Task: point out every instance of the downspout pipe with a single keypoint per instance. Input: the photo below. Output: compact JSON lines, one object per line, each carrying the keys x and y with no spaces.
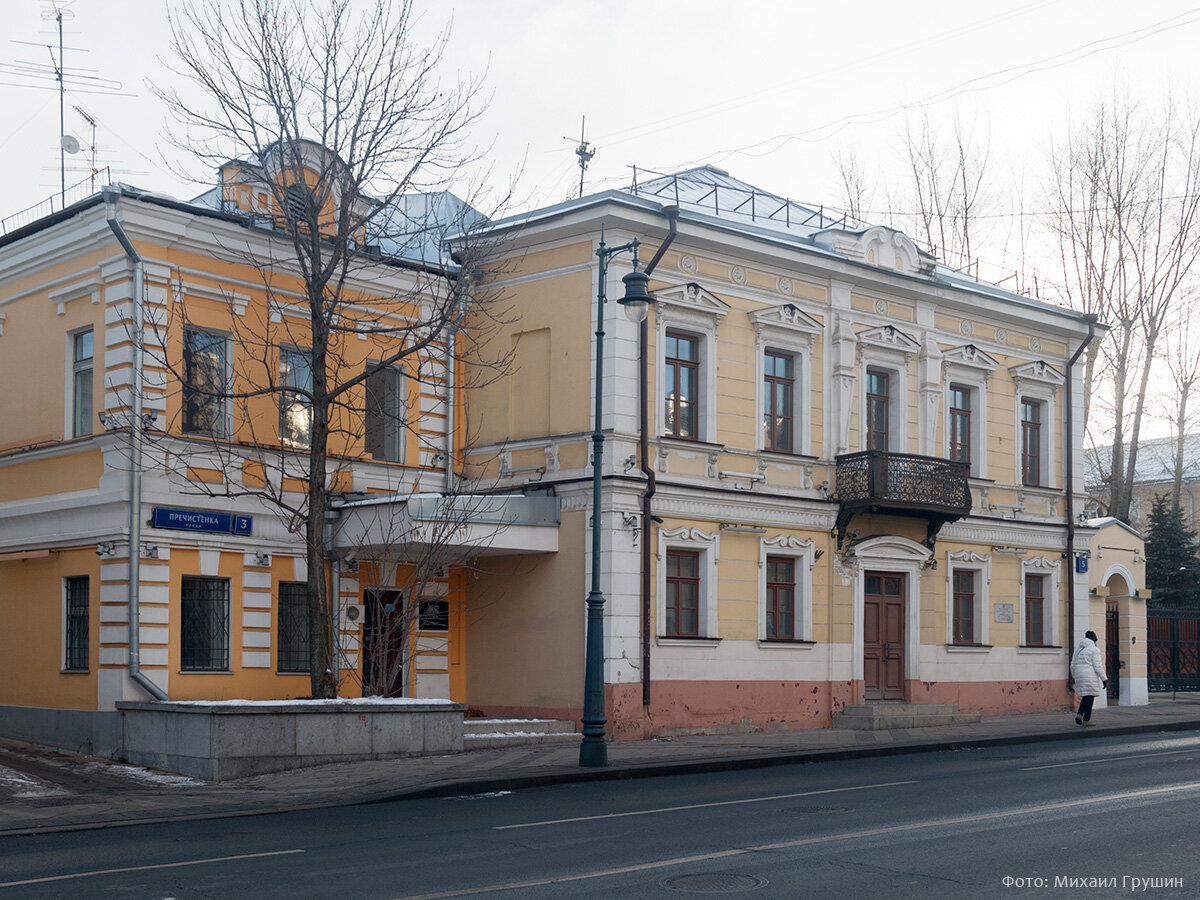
{"x":672,"y":214}
{"x":111,"y":198}
{"x":1069,"y":482}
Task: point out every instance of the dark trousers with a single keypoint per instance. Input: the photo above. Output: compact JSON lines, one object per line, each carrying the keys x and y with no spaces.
{"x":1085,"y":707}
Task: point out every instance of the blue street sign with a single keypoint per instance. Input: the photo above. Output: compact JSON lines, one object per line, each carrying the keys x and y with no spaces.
{"x":1081,"y":564}
{"x":201,"y":520}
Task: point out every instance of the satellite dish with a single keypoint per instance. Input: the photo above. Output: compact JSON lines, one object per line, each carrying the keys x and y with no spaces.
{"x":70,"y":143}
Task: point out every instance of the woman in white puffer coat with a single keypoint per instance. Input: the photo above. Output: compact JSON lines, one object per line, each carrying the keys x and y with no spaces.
{"x":1087,"y":669}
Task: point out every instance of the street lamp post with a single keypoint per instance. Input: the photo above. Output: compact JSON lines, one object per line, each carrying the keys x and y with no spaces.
{"x":592,"y":749}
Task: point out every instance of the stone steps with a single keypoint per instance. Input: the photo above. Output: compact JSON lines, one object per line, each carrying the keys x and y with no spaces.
{"x":479,"y":734}
{"x":885,"y":716}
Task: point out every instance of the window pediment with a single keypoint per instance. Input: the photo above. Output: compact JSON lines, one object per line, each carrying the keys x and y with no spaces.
{"x":690,"y":303}
{"x":888,"y":338}
{"x":890,"y":548}
{"x":786,"y":319}
{"x":970,"y":357}
{"x":1037,"y":373}
{"x":968,"y":556}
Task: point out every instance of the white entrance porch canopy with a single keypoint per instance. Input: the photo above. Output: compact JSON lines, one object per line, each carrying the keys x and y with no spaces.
{"x":461,"y":525}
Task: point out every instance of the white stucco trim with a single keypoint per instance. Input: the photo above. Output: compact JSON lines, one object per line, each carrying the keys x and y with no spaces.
{"x":709,"y":548}
{"x":786,"y":329}
{"x":969,"y":560}
{"x":892,"y":554}
{"x":1052,"y":570}
{"x":803,"y":554}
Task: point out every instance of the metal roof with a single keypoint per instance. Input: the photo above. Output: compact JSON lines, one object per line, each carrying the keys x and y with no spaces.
{"x":1155,"y":462}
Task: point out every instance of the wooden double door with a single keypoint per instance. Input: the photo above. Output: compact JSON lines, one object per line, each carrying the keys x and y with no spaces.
{"x":883,"y":635}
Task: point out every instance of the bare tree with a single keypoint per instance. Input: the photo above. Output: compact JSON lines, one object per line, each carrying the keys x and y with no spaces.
{"x":1182,"y":359}
{"x":948,"y":190}
{"x":1126,"y":197}
{"x":333,"y":114}
{"x":856,"y":192}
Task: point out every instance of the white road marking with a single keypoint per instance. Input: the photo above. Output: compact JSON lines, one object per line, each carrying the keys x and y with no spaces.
{"x":826,"y":839}
{"x":1103,"y":759}
{"x":190,"y":862}
{"x":665,"y":809}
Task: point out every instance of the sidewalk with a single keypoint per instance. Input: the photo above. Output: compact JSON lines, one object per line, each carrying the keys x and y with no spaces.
{"x":42,"y":790}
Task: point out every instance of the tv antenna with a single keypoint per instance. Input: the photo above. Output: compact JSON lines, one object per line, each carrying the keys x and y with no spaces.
{"x":584,"y":151}
{"x":78,"y":80}
{"x":91,"y":120}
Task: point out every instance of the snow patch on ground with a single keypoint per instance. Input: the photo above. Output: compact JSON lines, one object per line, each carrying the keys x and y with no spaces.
{"x":144,"y":776}
{"x":23,"y":787}
{"x":486,"y":796}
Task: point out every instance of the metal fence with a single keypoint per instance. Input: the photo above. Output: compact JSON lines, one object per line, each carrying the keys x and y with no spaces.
{"x":58,"y":201}
{"x":1173,"y":649}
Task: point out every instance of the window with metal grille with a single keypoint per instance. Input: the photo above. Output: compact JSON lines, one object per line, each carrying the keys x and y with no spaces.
{"x":879,"y":400}
{"x":781,"y":598}
{"x":76,"y":620}
{"x":1035,"y":606}
{"x":964,"y":607}
{"x":81,"y":383}
{"x":204,"y":624}
{"x":682,"y":361}
{"x":1031,"y":442}
{"x":683,"y":593}
{"x":293,"y":622}
{"x":960,"y":423}
{"x":778,"y":389}
{"x":205,"y":383}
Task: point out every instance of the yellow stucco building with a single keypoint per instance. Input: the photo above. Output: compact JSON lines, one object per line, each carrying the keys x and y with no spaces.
{"x":835,"y":471}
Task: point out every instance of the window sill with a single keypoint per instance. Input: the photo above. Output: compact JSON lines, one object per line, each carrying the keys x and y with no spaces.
{"x":788,"y":456}
{"x":668,"y":640}
{"x":306,"y":674}
{"x":683,"y":443}
{"x":74,"y":671}
{"x":785,"y":644}
{"x":968,"y":648}
{"x":1040,"y":649}
{"x":205,"y":672}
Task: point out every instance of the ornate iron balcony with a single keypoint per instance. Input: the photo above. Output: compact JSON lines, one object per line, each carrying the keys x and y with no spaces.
{"x":902,"y":484}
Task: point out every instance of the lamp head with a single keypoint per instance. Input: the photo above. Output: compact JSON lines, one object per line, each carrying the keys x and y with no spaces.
{"x":637,"y":299}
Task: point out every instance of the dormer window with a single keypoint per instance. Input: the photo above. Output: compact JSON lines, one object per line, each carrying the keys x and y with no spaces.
{"x":300,"y":203}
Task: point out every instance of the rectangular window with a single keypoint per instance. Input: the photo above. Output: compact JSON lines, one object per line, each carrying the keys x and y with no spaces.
{"x":781,"y":598}
{"x":293,"y":624}
{"x":295,"y":408}
{"x":433,"y":615}
{"x":205,"y":383}
{"x":204,"y":624}
{"x":76,"y":621}
{"x":878,"y":409}
{"x":778,"y":390}
{"x":682,"y":359}
{"x":1035,"y":610}
{"x":964,"y":607}
{"x":683,"y":593}
{"x":960,"y":423}
{"x":384,"y":415}
{"x":82,"y":351}
{"x":1031,"y":442}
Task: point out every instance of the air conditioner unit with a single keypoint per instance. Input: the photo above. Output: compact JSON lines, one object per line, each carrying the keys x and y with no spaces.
{"x":353,"y":615}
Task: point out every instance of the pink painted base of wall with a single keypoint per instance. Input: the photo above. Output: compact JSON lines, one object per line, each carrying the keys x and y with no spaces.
{"x":993,"y":698}
{"x":739,"y":707}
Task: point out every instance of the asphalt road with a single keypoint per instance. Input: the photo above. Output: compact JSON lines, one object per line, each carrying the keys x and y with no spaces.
{"x":1072,"y":819}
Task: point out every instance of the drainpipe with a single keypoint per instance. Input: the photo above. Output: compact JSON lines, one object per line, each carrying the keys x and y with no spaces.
{"x":672,"y":214}
{"x":111,"y":196}
{"x":1069,"y":453}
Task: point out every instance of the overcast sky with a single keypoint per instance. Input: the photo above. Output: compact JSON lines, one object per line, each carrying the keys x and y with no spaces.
{"x":770,"y":91}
